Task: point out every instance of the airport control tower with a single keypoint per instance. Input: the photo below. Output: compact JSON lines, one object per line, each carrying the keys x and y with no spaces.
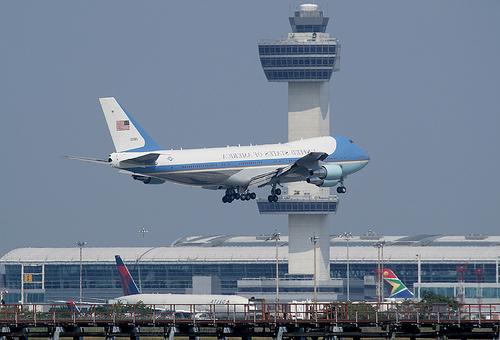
{"x":306,"y":61}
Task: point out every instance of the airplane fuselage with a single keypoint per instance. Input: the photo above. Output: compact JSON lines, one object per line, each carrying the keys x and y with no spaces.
{"x":187,"y":302}
{"x":230,"y":167}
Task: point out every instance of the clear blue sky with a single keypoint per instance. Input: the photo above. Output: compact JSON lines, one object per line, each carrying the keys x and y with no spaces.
{"x":419,"y":88}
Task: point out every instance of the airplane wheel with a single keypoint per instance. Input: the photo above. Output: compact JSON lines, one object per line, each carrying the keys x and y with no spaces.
{"x":224,"y":199}
{"x":237,"y":196}
{"x":341,"y":190}
{"x":249,"y":196}
{"x":275,"y":198}
{"x":253,"y":195}
{"x":277,"y":191}
{"x":243,"y":197}
{"x":270,"y":198}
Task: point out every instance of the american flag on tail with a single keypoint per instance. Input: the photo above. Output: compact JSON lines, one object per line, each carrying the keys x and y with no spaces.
{"x":122,"y":125}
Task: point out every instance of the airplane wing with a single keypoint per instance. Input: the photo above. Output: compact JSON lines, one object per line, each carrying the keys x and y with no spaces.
{"x":88,"y":159}
{"x":142,"y":177}
{"x":311,"y":159}
{"x":83,"y":303}
{"x":264,"y":179}
{"x":147,"y":159}
{"x":295,"y":172}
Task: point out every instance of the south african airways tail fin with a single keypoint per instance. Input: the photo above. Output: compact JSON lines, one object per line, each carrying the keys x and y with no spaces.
{"x":128,"y":283}
{"x":399,"y":290}
{"x":127,"y":134}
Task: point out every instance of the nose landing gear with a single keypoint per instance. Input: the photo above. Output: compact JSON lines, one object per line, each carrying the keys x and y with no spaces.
{"x":341,"y":189}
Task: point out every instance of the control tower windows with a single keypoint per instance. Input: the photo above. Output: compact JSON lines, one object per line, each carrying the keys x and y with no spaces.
{"x":310,"y":28}
{"x":291,"y":62}
{"x":302,"y":74}
{"x":296,"y":49}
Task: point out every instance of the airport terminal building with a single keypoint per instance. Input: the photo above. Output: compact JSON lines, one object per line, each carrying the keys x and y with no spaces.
{"x":447,"y":265}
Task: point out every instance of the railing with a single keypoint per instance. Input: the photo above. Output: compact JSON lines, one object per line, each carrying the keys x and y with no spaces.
{"x":256,"y":313}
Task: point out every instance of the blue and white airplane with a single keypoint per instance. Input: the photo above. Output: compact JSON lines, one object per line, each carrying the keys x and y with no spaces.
{"x":322,"y":161}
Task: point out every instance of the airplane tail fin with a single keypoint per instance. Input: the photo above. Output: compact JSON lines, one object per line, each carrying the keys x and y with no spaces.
{"x":128,"y":284}
{"x":126,"y":133}
{"x":72,"y":306}
{"x":399,"y":290}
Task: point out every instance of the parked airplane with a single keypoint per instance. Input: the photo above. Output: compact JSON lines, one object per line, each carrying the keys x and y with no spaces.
{"x":182,"y":302}
{"x":322,"y":161}
{"x":399,"y":290}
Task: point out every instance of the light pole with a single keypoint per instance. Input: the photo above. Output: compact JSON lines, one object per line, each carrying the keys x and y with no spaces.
{"x":419,"y":274}
{"x":80,"y":245}
{"x":347,"y":237}
{"x":276,"y":237}
{"x":143,"y":231}
{"x":382,"y":244}
{"x":2,"y":293}
{"x":380,"y":267}
{"x":314,"y":239}
{"x":139,"y":267}
{"x":496,"y":270}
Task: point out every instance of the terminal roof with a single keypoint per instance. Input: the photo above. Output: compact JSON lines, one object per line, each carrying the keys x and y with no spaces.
{"x":230,"y":248}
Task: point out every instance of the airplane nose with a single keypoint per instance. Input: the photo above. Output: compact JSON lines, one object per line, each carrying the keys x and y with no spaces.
{"x":365,"y":154}
{"x":360,"y":160}
{"x":363,"y":158}
{"x":362,"y":154}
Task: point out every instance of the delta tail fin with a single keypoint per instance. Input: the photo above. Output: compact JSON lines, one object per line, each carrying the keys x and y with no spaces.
{"x":126,"y":133}
{"x":128,"y":284}
{"x":71,"y":305}
{"x":399,"y":290}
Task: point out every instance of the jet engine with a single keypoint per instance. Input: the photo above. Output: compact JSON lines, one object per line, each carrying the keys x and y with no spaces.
{"x":329,"y":172}
{"x":322,"y":182}
{"x":148,"y":180}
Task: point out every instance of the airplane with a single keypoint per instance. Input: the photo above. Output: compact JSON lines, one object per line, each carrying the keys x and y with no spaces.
{"x":181,"y":302}
{"x":399,"y":290}
{"x":321,"y":161}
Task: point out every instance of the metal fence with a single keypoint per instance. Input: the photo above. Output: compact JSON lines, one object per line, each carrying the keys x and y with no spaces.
{"x":256,"y":313}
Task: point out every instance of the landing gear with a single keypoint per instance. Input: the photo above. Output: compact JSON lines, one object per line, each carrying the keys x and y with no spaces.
{"x":232,"y":194}
{"x":272,"y":198}
{"x":341,"y":189}
{"x":229,"y":196}
{"x":275,"y":192}
{"x":248,"y":196}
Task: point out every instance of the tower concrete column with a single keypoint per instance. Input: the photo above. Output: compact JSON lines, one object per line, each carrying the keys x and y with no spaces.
{"x":308,"y":110}
{"x":308,"y":116}
{"x":300,"y":247}
{"x":306,"y":61}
